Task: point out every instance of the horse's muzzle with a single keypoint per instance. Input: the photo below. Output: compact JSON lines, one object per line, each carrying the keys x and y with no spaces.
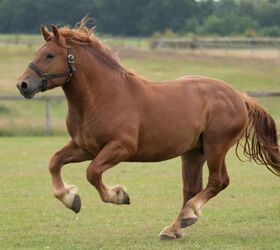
{"x":28,"y":88}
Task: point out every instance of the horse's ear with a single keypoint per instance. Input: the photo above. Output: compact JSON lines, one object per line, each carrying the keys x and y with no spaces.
{"x":55,"y":31}
{"x":46,"y":34}
{"x":60,"y":39}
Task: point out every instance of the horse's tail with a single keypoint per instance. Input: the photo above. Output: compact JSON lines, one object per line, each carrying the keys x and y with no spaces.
{"x":260,"y":137}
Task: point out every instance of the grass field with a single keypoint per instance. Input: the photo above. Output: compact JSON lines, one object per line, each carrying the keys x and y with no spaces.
{"x":244,"y":216}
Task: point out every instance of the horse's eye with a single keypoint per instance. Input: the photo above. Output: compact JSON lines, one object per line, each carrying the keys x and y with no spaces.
{"x":50,"y":55}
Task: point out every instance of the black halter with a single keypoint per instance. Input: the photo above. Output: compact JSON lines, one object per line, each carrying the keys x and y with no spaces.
{"x":67,"y":73}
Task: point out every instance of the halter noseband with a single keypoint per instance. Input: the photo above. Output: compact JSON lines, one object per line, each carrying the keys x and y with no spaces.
{"x":67,"y":73}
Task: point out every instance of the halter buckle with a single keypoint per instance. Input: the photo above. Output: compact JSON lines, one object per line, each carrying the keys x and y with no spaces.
{"x":71,"y":59}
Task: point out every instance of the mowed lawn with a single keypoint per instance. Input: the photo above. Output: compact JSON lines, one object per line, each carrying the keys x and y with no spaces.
{"x":244,"y":216}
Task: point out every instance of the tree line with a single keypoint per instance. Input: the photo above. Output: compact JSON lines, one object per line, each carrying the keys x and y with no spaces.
{"x":147,"y":17}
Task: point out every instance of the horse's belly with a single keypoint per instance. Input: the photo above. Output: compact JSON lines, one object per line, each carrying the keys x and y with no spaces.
{"x":147,"y":157}
{"x":163,"y":149}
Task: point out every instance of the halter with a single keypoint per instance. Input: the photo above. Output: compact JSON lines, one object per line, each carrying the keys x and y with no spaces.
{"x":67,"y":73}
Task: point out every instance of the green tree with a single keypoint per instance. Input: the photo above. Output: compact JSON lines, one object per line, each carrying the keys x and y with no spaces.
{"x":165,"y":14}
{"x":145,"y":17}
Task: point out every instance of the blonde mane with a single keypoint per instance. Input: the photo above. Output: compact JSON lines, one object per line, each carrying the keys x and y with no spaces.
{"x":83,"y":35}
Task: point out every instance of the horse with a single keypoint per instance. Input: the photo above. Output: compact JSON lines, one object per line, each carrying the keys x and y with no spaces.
{"x":115,"y":115}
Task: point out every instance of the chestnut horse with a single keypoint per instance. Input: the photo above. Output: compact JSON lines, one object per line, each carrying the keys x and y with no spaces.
{"x":116,"y":116}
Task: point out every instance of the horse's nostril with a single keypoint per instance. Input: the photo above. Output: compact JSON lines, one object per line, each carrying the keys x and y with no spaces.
{"x":24,"y":85}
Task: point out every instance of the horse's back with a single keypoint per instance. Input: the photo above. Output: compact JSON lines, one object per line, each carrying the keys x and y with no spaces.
{"x":199,"y":93}
{"x":175,"y":114}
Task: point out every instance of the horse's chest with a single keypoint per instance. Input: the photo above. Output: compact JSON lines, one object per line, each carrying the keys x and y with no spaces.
{"x":82,"y":136}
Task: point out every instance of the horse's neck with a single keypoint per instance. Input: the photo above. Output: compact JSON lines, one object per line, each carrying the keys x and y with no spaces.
{"x":95,"y":83}
{"x":91,"y":85}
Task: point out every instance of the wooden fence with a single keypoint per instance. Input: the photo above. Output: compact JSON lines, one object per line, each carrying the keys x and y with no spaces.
{"x":34,"y":41}
{"x":262,"y":48}
{"x":49,"y":99}
{"x":196,"y":43}
{"x":217,"y":43}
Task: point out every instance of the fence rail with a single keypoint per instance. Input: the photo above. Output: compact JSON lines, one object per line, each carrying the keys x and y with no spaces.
{"x":262,"y":48}
{"x":49,"y":99}
{"x":263,"y":93}
{"x":216,"y":43}
{"x":117,"y":41}
{"x":227,"y":43}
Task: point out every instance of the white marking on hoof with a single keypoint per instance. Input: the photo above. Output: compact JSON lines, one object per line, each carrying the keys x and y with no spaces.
{"x":190,"y":213}
{"x":67,"y":195}
{"x":71,"y":188}
{"x":68,"y":199}
{"x":116,"y":195}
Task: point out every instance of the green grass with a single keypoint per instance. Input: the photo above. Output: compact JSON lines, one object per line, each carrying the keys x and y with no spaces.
{"x":242,"y":74}
{"x":244,"y":216}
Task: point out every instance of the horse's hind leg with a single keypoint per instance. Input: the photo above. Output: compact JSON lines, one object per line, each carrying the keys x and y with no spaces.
{"x":192,"y":163}
{"x":217,"y":181}
{"x":220,"y":135}
{"x":66,"y":193}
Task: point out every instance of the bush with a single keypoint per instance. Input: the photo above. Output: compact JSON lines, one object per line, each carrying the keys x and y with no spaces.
{"x":273,"y":31}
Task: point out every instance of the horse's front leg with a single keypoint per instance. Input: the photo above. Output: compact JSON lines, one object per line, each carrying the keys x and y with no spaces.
{"x":109,"y":156}
{"x":67,"y":193}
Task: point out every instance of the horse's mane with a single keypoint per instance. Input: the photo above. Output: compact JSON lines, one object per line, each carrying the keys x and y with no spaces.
{"x":83,"y":35}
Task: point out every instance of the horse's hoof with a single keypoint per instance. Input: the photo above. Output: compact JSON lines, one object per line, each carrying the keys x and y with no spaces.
{"x":76,"y":205}
{"x":187,"y":222}
{"x":167,"y":237}
{"x":169,"y":233}
{"x":126,"y":199}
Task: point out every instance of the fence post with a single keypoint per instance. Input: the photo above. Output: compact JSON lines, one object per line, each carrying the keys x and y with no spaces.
{"x":48,"y":125}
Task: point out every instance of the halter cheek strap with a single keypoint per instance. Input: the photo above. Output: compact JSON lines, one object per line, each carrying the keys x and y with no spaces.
{"x":67,"y":73}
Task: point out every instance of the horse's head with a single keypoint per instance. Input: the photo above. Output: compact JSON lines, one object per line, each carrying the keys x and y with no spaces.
{"x":51,"y":67}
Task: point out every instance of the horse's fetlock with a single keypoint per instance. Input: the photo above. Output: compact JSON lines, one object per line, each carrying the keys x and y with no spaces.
{"x":59,"y":194}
